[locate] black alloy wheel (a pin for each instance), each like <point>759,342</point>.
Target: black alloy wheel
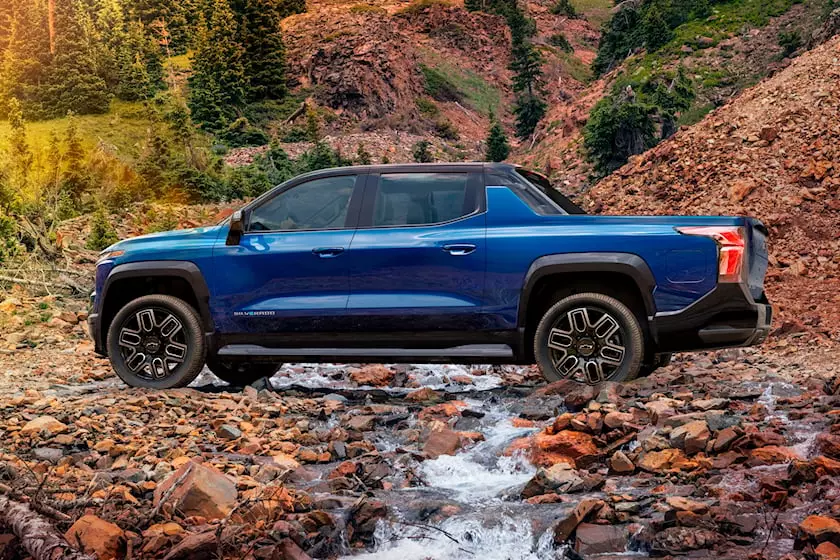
<point>589,338</point>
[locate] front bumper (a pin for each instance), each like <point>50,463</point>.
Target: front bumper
<point>728,316</point>
<point>95,333</point>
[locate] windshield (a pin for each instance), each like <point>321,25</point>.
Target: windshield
<point>541,183</point>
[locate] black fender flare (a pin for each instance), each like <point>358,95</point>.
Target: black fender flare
<point>156,269</point>
<point>624,263</point>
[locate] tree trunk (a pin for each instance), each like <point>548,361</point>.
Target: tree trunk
<point>51,24</point>
<point>37,535</point>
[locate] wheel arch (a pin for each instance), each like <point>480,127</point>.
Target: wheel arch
<point>616,274</point>
<point>126,282</point>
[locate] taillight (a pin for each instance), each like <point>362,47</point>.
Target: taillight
<point>731,249</point>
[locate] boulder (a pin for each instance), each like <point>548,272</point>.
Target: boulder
<point>443,442</point>
<point>819,529</point>
<point>558,478</point>
<point>575,395</point>
<point>93,535</point>
<point>362,422</point>
<point>199,490</point>
<point>564,529</point>
<point>658,461</point>
<point>600,539</point>
<point>829,445</point>
<point>771,455</point>
<point>692,437</point>
<point>679,503</point>
<point>620,463</point>
<point>827,551</point>
<point>43,424</point>
<point>376,375</point>
<point>617,419</point>
<point>566,446</point>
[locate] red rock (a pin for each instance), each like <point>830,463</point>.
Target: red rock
<point>93,535</point>
<point>667,459</point>
<point>600,539</point>
<point>621,464</point>
<point>827,551</point>
<point>829,445</point>
<point>692,437</point>
<point>443,442</point>
<point>820,529</point>
<point>616,419</point>
<point>680,503</point>
<point>564,529</point>
<point>826,467</point>
<point>771,455</point>
<point>575,395</point>
<point>43,424</point>
<point>203,491</point>
<point>545,449</point>
<point>201,546</point>
<point>288,550</point>
<point>423,395</point>
<point>448,409</point>
<point>376,375</point>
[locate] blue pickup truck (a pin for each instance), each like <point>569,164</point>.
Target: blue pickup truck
<point>462,263</point>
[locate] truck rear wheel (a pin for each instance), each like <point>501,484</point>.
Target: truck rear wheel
<point>589,338</point>
<point>239,374</point>
<point>156,342</point>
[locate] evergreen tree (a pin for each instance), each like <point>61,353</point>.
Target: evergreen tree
<point>656,30</point>
<point>564,8</point>
<point>24,54</point>
<point>473,5</point>
<point>527,83</point>
<point>102,235</point>
<point>75,179</point>
<point>265,53</point>
<point>363,157</point>
<point>20,155</point>
<point>286,8</point>
<point>218,83</point>
<point>140,64</point>
<point>110,25</point>
<point>423,152</point>
<point>73,82</point>
<point>498,148</point>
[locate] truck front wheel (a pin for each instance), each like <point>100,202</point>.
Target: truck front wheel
<point>589,338</point>
<point>156,342</point>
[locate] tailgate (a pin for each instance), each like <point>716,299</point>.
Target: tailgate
<point>757,257</point>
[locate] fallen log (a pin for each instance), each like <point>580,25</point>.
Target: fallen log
<point>37,535</point>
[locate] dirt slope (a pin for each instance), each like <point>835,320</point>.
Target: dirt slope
<point>774,153</point>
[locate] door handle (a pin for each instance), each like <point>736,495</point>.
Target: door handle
<point>459,249</point>
<point>328,252</point>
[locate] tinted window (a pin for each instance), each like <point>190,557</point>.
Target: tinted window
<point>318,204</point>
<point>406,199</point>
<point>544,186</point>
<point>530,195</point>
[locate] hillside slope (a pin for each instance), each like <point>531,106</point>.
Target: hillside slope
<point>774,153</point>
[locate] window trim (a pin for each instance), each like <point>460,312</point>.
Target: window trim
<point>475,192</point>
<point>353,206</point>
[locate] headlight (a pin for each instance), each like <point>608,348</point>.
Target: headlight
<point>105,255</point>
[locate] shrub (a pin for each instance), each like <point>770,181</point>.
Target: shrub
<point>367,9</point>
<point>559,40</point>
<point>564,8</point>
<point>9,245</point>
<point>446,130</point>
<point>422,152</point>
<point>102,235</point>
<point>427,107</point>
<point>241,133</point>
<point>790,41</point>
<point>498,148</point>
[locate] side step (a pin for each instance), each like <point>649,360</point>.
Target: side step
<point>476,354</point>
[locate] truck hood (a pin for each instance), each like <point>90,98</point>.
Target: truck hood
<point>183,237</point>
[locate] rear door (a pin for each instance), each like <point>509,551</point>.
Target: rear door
<point>290,272</point>
<point>419,254</point>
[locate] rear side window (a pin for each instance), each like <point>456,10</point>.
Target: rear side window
<point>535,191</point>
<point>413,199</point>
<point>317,204</point>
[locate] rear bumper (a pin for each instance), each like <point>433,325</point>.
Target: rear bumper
<point>728,316</point>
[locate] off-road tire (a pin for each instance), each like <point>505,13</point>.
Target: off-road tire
<point>192,335</point>
<point>239,374</point>
<point>629,332</point>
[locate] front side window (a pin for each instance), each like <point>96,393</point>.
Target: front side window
<point>411,199</point>
<point>317,204</point>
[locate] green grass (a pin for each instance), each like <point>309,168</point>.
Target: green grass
<point>367,9</point>
<point>420,6</point>
<point>595,11</point>
<point>181,61</point>
<point>122,128</point>
<point>474,90</point>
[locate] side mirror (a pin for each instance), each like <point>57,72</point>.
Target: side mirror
<point>235,232</point>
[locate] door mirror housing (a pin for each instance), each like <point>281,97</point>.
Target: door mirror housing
<point>236,228</point>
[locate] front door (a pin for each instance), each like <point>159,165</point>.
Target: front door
<point>290,271</point>
<point>419,255</point>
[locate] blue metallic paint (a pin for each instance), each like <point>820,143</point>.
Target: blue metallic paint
<point>401,278</point>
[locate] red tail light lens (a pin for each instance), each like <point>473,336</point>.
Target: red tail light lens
<point>731,249</point>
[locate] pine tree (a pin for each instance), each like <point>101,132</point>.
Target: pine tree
<point>655,28</point>
<point>140,64</point>
<point>20,154</point>
<point>218,84</point>
<point>286,8</point>
<point>73,82</point>
<point>527,83</point>
<point>24,55</point>
<point>265,53</point>
<point>498,148</point>
<point>363,157</point>
<point>75,180</point>
<point>473,5</point>
<point>110,25</point>
<point>102,234</point>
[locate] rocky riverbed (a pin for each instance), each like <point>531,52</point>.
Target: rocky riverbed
<point>733,454</point>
